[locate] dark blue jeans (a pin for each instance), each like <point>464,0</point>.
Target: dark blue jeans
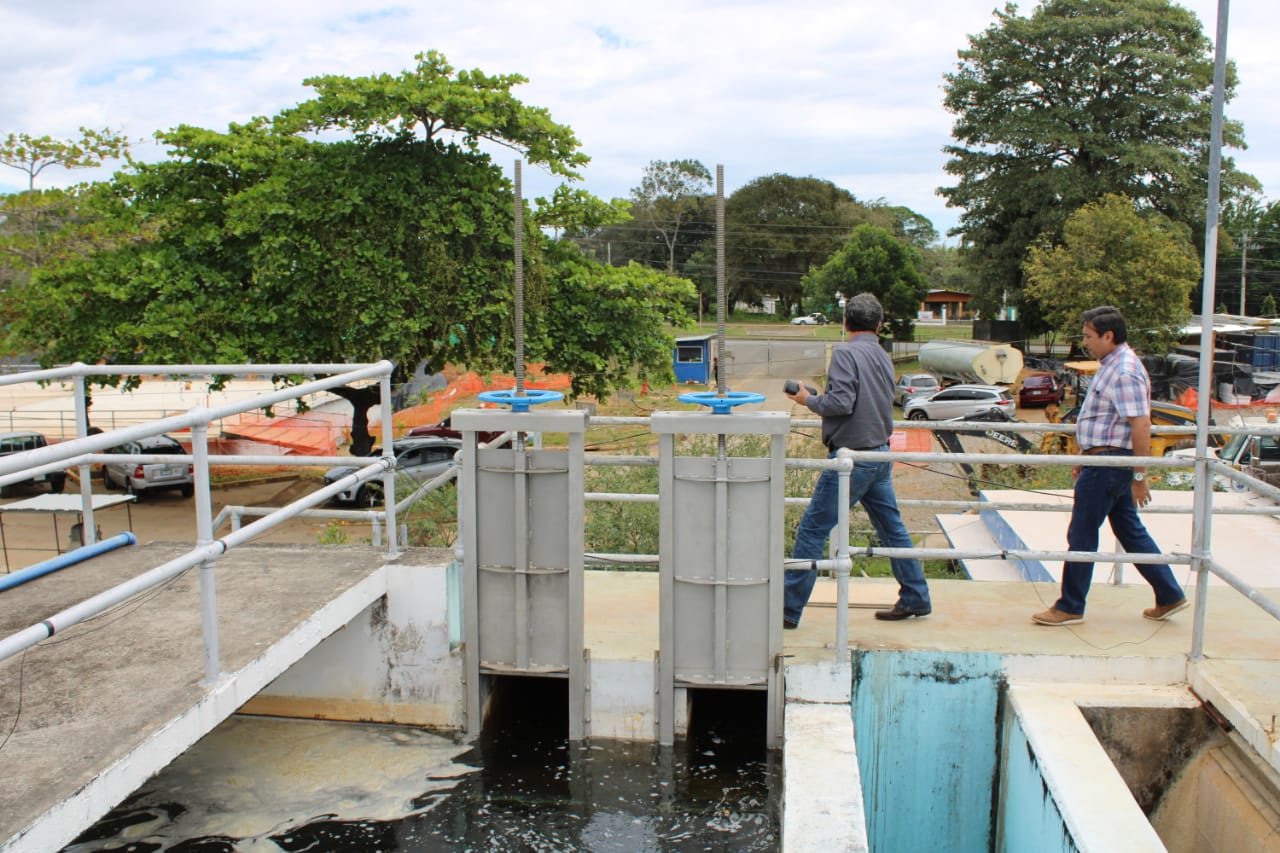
<point>1107,493</point>
<point>870,483</point>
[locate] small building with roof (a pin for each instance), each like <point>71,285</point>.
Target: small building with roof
<point>692,359</point>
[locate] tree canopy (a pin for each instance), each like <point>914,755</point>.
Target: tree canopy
<point>873,261</point>
<point>671,217</point>
<point>41,225</point>
<point>1080,99</point>
<point>31,155</point>
<point>1111,254</point>
<point>1248,256</point>
<point>445,104</point>
<point>265,243</point>
<point>776,228</point>
<point>670,196</point>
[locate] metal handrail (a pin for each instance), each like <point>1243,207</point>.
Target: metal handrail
<point>841,564</point>
<point>87,449</point>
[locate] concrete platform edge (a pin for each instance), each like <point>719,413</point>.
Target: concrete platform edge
<point>60,825</point>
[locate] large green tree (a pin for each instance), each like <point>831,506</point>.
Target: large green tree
<point>671,219</point>
<point>1248,255</point>
<point>1113,255</point>
<point>1055,110</point>
<point>776,228</point>
<point>670,195</point>
<point>874,261</point>
<point>290,240</point>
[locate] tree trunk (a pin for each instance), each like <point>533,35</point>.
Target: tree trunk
<point>361,400</point>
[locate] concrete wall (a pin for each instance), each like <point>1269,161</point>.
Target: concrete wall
<point>393,663</point>
<point>1222,803</point>
<point>822,800</point>
<point>925,725</point>
<point>1029,818</point>
<point>1059,787</point>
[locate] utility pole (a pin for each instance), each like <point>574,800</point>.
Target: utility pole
<point>1244,260</point>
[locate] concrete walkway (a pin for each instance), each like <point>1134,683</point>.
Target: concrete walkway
<point>89,714</point>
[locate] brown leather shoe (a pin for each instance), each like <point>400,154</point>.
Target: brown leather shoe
<point>1161,612</point>
<point>1054,617</point>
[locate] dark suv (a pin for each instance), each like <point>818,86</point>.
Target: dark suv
<point>419,459</point>
<point>17,442</point>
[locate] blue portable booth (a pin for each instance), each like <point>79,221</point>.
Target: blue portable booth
<point>692,359</point>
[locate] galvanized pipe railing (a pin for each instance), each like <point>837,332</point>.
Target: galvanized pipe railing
<point>18,642</point>
<point>13,470</point>
<point>87,450</point>
<point>62,453</point>
<point>842,564</point>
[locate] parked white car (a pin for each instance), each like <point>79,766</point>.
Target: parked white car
<point>815,319</point>
<point>139,477</point>
<point>959,401</point>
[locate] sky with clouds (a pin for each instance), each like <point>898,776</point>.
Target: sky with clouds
<point>845,90</point>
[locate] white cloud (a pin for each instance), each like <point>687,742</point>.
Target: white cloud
<point>839,89</point>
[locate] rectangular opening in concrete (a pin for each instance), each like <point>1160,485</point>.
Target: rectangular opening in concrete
<point>727,718</point>
<point>1200,787</point>
<point>525,707</point>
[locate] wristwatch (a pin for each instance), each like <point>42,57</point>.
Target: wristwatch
<point>1139,476</point>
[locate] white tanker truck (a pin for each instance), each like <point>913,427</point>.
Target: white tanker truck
<point>981,362</point>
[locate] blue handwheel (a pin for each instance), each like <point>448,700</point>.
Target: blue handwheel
<point>721,405</point>
<point>520,402</point>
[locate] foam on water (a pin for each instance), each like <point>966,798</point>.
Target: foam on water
<point>258,784</point>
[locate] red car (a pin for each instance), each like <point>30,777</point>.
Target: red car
<point>1040,389</point>
<point>444,430</point>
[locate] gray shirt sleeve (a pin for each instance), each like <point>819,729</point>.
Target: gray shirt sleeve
<point>841,392</point>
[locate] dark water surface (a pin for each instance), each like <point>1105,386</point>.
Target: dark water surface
<point>257,784</point>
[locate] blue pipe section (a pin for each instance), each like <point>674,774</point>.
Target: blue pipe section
<point>61,561</point>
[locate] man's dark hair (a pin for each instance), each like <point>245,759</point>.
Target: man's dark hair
<point>862,313</point>
<point>1107,318</point>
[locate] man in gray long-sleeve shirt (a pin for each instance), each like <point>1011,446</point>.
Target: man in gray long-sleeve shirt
<point>857,413</point>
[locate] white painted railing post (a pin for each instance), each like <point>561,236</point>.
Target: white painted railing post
<point>204,536</point>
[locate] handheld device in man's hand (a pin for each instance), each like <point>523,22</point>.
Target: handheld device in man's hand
<point>791,386</point>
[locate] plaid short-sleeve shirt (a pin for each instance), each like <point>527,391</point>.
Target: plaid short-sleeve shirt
<point>1120,390</point>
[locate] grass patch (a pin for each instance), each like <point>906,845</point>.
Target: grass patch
<point>230,475</point>
<point>879,567</point>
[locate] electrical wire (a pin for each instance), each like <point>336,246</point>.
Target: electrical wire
<point>17,714</point>
<point>79,632</point>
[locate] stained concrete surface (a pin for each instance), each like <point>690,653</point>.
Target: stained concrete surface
<point>86,698</point>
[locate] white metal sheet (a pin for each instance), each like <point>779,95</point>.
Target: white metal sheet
<point>64,503</point>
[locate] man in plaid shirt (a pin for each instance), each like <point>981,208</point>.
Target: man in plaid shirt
<point>1115,420</point>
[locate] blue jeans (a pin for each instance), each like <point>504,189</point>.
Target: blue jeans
<point>870,483</point>
<point>1107,493</point>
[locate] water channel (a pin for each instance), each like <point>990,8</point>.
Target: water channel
<point>260,784</point>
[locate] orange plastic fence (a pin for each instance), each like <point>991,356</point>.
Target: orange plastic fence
<point>1190,398</point>
<point>468,385</point>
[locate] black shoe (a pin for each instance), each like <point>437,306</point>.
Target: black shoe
<point>900,612</point>
<point>789,625</point>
